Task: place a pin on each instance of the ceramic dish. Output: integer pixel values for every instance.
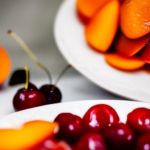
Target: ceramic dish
(69, 36)
(49, 112)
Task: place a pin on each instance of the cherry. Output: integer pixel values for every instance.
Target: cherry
(70, 127)
(98, 117)
(143, 143)
(28, 97)
(91, 141)
(50, 144)
(52, 94)
(119, 137)
(139, 120)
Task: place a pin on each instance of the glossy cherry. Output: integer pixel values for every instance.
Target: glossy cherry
(91, 141)
(139, 120)
(143, 143)
(70, 127)
(119, 137)
(98, 117)
(52, 93)
(28, 98)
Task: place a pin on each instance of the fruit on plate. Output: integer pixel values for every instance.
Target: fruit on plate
(129, 47)
(5, 65)
(88, 8)
(102, 28)
(135, 18)
(99, 117)
(119, 137)
(124, 63)
(132, 21)
(69, 127)
(28, 97)
(91, 141)
(145, 54)
(28, 136)
(139, 120)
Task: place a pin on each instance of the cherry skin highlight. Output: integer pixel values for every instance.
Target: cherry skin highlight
(91, 141)
(28, 98)
(98, 117)
(52, 93)
(139, 120)
(119, 137)
(70, 127)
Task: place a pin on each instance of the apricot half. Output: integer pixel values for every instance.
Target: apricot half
(5, 65)
(101, 29)
(124, 63)
(135, 18)
(26, 138)
(129, 47)
(88, 8)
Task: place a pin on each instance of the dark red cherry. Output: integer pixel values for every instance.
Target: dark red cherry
(119, 137)
(32, 87)
(91, 141)
(28, 98)
(98, 117)
(70, 127)
(143, 143)
(52, 93)
(139, 120)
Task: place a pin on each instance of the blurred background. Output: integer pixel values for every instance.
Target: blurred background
(33, 21)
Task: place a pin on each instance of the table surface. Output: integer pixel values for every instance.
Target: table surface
(34, 20)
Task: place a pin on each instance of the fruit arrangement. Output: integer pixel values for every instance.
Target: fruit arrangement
(99, 129)
(118, 28)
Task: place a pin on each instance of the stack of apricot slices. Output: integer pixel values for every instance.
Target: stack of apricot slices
(120, 25)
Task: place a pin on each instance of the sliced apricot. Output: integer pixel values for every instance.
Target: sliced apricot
(145, 54)
(129, 47)
(5, 65)
(102, 28)
(124, 63)
(31, 134)
(87, 8)
(135, 18)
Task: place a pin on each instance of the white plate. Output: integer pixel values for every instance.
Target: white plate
(69, 35)
(49, 112)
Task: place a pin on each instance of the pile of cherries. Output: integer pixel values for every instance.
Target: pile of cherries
(101, 129)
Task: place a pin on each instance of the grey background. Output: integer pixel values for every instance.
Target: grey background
(33, 20)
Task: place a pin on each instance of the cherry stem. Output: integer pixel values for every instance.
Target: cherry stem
(27, 77)
(29, 52)
(62, 73)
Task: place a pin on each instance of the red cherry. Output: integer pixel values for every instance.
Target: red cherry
(32, 87)
(28, 98)
(143, 143)
(91, 141)
(119, 137)
(52, 93)
(98, 117)
(50, 144)
(139, 120)
(70, 127)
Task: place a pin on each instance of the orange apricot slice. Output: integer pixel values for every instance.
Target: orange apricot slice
(129, 47)
(135, 18)
(102, 28)
(124, 63)
(5, 65)
(145, 54)
(87, 8)
(31, 134)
